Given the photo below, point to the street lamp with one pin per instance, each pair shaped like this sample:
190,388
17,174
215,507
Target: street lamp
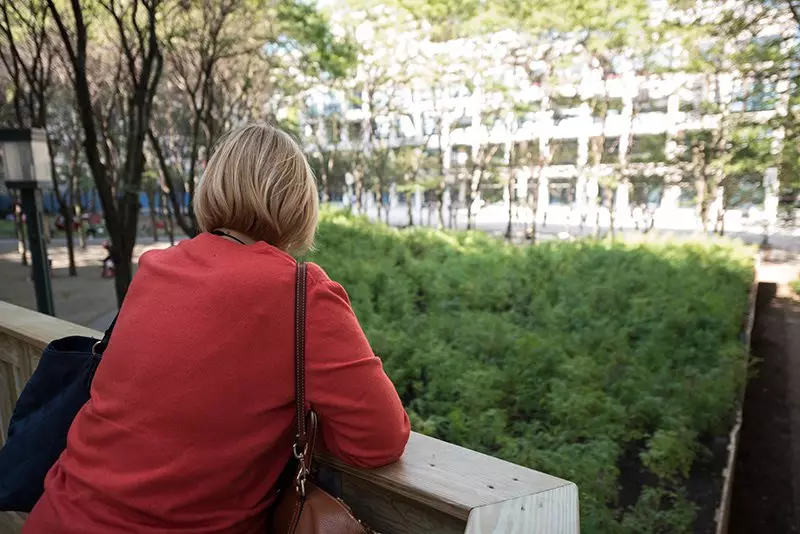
26,166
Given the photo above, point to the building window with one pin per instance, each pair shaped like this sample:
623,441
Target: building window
689,141
464,121
498,153
647,148
460,156
653,105
754,95
564,151
610,150
527,152
688,197
333,130
565,107
430,125
354,100
355,132
561,193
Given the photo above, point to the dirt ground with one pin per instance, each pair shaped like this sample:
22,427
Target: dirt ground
766,488
86,299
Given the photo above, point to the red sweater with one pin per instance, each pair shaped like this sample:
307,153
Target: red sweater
191,416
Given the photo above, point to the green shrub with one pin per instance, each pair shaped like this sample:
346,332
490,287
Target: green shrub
562,357
796,286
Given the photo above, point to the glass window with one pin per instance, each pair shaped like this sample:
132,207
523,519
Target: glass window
561,193
653,105
610,150
647,148
460,157
527,152
333,128
354,131
564,151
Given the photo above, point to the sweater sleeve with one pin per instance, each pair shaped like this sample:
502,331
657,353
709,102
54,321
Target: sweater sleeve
361,417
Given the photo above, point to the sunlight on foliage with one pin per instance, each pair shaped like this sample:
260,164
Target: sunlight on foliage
562,357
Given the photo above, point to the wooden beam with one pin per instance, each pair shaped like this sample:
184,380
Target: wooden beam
436,487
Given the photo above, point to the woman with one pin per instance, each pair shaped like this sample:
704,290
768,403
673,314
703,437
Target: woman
191,417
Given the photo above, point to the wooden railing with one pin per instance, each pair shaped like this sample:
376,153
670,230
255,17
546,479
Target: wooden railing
435,488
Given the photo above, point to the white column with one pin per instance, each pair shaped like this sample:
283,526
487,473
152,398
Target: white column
592,191
622,202
544,199
581,202
771,200
670,200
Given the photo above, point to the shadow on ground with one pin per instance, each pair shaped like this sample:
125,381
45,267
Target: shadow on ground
766,483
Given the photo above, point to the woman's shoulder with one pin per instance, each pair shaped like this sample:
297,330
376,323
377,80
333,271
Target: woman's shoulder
317,275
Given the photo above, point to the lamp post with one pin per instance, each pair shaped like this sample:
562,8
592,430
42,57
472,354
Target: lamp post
26,166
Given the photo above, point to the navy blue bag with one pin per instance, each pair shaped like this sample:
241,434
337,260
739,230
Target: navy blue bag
37,433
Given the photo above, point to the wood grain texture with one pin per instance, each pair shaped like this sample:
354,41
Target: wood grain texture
389,513
435,488
36,329
11,522
553,511
16,366
450,479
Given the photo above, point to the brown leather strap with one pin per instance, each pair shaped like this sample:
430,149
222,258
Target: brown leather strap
300,357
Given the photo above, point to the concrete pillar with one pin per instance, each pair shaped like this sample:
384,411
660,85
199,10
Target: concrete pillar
544,199
592,192
771,200
623,203
670,200
521,176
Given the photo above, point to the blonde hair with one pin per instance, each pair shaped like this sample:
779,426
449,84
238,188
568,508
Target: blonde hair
258,182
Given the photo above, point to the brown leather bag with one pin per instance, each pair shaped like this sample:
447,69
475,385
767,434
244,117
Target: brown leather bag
302,507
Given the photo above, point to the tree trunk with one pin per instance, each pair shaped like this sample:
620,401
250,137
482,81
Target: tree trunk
323,186
719,227
151,200
123,273
610,195
65,208
170,228
410,209
533,196
379,203
510,227
440,205
77,209
66,211
359,192
19,227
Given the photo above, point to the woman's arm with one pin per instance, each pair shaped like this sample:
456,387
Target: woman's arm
361,417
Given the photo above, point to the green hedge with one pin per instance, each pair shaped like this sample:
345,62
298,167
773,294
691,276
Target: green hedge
569,358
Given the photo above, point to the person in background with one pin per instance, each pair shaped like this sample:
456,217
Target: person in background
191,415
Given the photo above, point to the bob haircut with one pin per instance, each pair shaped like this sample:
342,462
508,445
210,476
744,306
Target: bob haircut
258,182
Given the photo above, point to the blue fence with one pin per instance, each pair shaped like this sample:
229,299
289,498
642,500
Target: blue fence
88,201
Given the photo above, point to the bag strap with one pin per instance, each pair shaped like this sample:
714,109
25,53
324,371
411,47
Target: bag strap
100,347
300,358
306,437
107,334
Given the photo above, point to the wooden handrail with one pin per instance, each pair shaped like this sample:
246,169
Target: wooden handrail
436,487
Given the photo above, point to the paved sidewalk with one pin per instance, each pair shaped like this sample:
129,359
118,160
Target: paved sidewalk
86,299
